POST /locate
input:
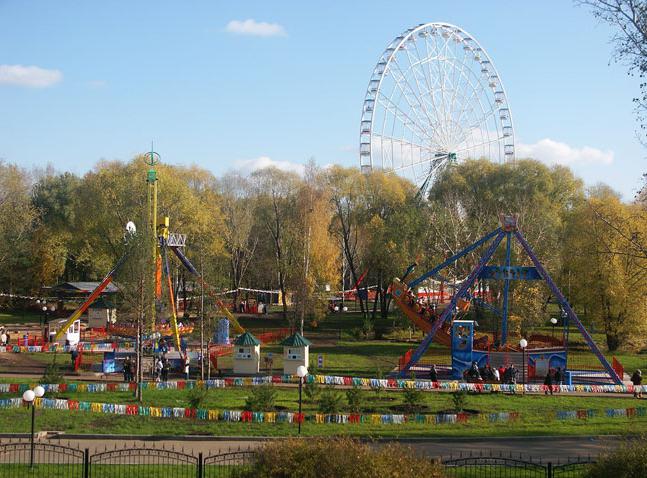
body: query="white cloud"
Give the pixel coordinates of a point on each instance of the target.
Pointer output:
(262, 162)
(554, 152)
(30, 76)
(253, 28)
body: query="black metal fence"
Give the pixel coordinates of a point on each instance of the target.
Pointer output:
(58, 461)
(490, 465)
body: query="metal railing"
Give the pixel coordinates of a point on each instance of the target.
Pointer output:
(61, 461)
(500, 465)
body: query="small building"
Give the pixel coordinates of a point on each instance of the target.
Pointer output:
(101, 313)
(295, 353)
(78, 290)
(247, 354)
(72, 335)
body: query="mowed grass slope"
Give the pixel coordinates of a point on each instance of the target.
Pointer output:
(537, 415)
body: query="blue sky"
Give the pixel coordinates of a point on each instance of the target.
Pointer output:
(111, 76)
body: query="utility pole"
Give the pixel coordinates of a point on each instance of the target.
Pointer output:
(201, 318)
(138, 351)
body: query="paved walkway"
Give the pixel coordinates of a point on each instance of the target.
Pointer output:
(544, 448)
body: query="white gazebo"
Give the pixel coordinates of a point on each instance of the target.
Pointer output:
(295, 353)
(247, 354)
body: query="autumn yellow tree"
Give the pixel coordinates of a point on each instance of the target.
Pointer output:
(609, 267)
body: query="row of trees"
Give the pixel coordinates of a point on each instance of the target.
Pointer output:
(297, 234)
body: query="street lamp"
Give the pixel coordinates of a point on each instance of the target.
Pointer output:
(44, 309)
(553, 321)
(523, 343)
(29, 397)
(302, 371)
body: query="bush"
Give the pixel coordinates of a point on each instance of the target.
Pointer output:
(377, 388)
(355, 398)
(329, 401)
(262, 399)
(356, 333)
(628, 461)
(338, 458)
(197, 396)
(367, 328)
(412, 399)
(53, 374)
(311, 390)
(459, 398)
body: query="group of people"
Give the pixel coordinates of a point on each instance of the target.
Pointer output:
(425, 311)
(245, 307)
(553, 377)
(161, 368)
(488, 373)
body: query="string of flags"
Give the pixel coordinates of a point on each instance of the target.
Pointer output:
(608, 412)
(84, 346)
(374, 383)
(256, 417)
(290, 417)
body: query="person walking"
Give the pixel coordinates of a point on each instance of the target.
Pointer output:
(165, 369)
(159, 366)
(433, 373)
(637, 380)
(186, 366)
(127, 370)
(548, 383)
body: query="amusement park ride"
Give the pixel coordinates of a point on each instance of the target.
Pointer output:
(163, 241)
(459, 334)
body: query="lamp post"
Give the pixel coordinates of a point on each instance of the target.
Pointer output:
(302, 371)
(523, 343)
(29, 397)
(553, 321)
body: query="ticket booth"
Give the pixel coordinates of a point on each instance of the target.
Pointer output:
(462, 344)
(295, 353)
(247, 354)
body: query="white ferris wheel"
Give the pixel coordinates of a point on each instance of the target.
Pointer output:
(434, 97)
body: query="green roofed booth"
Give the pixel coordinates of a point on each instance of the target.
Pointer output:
(295, 353)
(247, 354)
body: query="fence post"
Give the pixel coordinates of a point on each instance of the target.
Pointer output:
(86, 463)
(549, 470)
(200, 465)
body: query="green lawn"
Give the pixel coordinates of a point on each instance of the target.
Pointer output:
(537, 415)
(20, 317)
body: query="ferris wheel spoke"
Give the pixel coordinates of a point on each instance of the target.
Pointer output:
(402, 116)
(418, 97)
(411, 143)
(398, 82)
(434, 93)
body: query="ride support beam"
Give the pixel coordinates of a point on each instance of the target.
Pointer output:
(462, 292)
(506, 291)
(93, 296)
(567, 308)
(453, 259)
(222, 308)
(167, 272)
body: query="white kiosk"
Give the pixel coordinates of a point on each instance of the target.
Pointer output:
(295, 353)
(247, 354)
(101, 314)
